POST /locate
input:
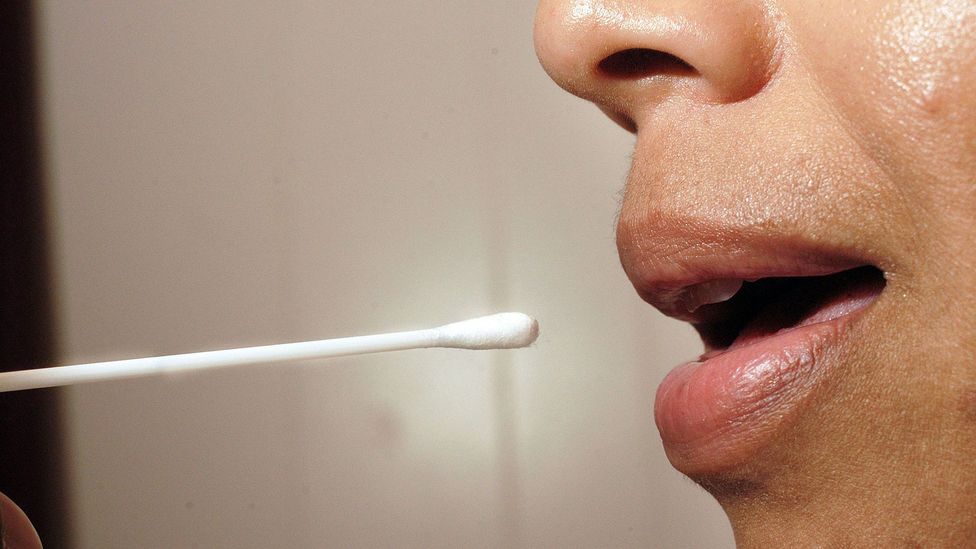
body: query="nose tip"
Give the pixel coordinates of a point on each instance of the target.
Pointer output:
(624, 55)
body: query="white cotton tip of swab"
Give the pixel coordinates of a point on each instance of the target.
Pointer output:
(498, 331)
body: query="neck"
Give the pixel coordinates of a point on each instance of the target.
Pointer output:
(922, 511)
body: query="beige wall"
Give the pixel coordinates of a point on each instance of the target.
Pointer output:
(231, 173)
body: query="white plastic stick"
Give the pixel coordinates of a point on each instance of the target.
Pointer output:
(499, 331)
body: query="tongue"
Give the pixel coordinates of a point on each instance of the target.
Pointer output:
(814, 300)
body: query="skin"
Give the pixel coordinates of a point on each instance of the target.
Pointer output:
(850, 125)
(16, 531)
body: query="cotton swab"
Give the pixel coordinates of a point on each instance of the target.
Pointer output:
(499, 331)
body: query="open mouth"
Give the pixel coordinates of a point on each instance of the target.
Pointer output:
(731, 314)
(767, 342)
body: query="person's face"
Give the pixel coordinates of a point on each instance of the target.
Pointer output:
(794, 140)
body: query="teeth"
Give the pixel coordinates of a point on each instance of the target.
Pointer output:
(706, 293)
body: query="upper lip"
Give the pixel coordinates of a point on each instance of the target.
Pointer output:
(664, 259)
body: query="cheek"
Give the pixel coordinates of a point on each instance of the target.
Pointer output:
(922, 49)
(900, 75)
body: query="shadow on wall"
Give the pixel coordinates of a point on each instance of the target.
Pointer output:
(31, 470)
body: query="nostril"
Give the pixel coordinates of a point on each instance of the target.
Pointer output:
(637, 63)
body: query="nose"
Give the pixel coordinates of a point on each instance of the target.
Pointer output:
(628, 56)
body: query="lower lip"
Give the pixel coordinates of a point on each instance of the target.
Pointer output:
(721, 407)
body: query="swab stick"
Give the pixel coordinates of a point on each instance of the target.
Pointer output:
(499, 331)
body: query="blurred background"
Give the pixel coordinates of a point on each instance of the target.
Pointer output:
(221, 174)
